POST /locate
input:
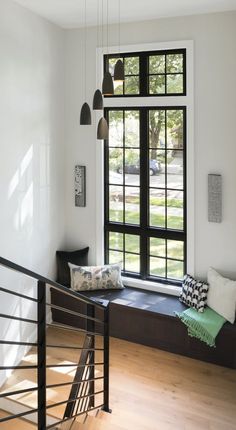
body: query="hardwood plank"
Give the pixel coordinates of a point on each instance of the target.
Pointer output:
(150, 389)
(18, 424)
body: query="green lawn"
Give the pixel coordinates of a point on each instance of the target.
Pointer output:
(156, 220)
(157, 201)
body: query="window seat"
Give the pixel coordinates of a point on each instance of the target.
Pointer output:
(148, 318)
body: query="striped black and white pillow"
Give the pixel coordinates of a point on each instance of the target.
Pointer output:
(194, 293)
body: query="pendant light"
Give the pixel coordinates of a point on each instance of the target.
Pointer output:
(97, 98)
(119, 71)
(107, 84)
(102, 131)
(85, 114)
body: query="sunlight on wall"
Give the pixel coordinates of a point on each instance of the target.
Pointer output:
(27, 206)
(13, 184)
(18, 175)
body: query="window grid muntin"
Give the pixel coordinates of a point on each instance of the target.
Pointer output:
(123, 57)
(166, 188)
(124, 252)
(123, 148)
(144, 72)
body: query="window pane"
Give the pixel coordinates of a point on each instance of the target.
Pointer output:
(116, 257)
(175, 249)
(175, 84)
(157, 208)
(115, 166)
(132, 127)
(157, 168)
(132, 263)
(156, 129)
(131, 85)
(158, 267)
(132, 243)
(175, 130)
(116, 128)
(118, 89)
(132, 167)
(116, 204)
(116, 241)
(174, 63)
(175, 269)
(175, 177)
(131, 65)
(157, 247)
(157, 84)
(132, 205)
(175, 210)
(156, 64)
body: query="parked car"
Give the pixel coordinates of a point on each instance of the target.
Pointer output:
(134, 169)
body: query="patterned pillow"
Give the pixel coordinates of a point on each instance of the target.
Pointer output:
(194, 293)
(85, 278)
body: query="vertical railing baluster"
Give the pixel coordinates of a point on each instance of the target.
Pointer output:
(41, 355)
(91, 328)
(106, 359)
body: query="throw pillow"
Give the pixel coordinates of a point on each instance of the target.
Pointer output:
(194, 293)
(96, 277)
(79, 257)
(222, 295)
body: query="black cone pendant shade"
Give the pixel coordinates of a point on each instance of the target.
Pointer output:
(107, 85)
(97, 100)
(102, 131)
(119, 72)
(85, 115)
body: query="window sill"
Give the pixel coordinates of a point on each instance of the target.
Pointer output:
(157, 287)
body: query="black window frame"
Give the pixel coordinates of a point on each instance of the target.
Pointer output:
(144, 230)
(144, 72)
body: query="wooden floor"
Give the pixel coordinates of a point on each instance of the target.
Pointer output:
(150, 389)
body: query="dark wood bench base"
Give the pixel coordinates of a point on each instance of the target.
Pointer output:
(148, 318)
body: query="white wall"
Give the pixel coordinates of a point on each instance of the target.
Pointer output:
(214, 37)
(31, 158)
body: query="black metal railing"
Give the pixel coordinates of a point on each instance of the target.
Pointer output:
(83, 395)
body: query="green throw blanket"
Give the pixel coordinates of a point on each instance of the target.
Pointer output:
(202, 325)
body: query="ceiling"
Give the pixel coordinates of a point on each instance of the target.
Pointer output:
(70, 13)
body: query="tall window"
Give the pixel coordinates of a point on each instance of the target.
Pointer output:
(145, 166)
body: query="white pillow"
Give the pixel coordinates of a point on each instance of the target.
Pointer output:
(221, 295)
(85, 278)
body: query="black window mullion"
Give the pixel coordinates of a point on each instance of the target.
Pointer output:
(106, 189)
(144, 187)
(165, 76)
(124, 184)
(143, 71)
(166, 176)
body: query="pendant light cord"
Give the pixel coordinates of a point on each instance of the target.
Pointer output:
(107, 30)
(119, 25)
(85, 47)
(102, 27)
(98, 38)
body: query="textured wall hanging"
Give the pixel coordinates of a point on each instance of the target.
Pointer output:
(80, 186)
(214, 198)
